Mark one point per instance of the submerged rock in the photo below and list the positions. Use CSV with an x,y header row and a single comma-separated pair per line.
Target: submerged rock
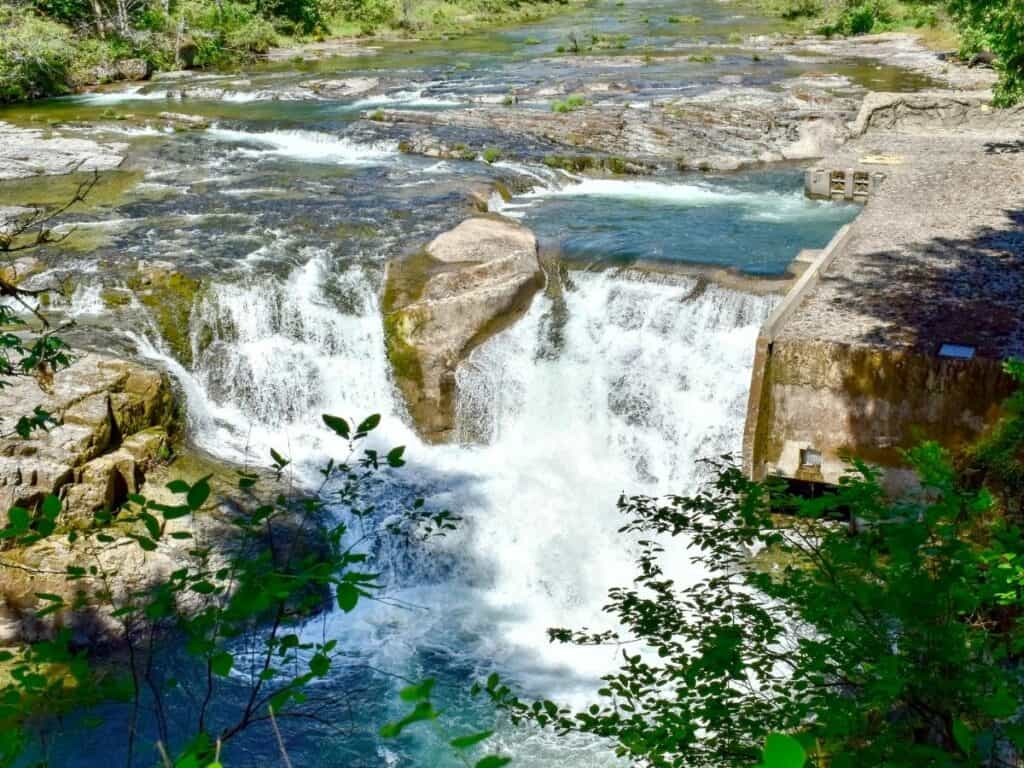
x,y
342,88
468,284
184,121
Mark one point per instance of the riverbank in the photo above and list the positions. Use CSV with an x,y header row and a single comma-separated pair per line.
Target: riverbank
x,y
71,51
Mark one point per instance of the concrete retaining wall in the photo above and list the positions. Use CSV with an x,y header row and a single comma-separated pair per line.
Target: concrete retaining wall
x,y
841,401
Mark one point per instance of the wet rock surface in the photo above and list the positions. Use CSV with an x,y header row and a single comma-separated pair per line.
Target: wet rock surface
x,y
725,129
28,152
468,284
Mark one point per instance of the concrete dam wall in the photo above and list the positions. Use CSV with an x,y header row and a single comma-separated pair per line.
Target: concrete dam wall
x,y
898,331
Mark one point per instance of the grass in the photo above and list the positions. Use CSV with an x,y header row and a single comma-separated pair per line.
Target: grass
x,y
569,104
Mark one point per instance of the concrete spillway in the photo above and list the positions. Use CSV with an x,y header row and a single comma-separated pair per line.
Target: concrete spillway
x,y
897,332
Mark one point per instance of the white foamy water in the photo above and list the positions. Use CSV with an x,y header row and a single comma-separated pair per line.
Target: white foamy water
x,y
307,146
757,205
639,381
105,98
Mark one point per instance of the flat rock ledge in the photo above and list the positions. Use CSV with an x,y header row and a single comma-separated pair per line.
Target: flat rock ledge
x,y
26,152
468,284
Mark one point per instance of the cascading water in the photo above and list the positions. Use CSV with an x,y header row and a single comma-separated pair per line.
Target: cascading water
x,y
619,384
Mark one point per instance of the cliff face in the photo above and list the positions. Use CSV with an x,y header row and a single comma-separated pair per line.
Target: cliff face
x,y
821,402
112,419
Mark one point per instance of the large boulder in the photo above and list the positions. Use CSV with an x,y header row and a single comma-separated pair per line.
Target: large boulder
x,y
468,284
112,416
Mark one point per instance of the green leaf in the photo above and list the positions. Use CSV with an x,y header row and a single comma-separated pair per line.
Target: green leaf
x,y
369,423
147,544
348,596
782,751
152,524
18,518
221,663
319,664
279,461
493,761
464,742
338,424
423,711
50,597
178,486
198,494
962,736
51,507
394,457
419,692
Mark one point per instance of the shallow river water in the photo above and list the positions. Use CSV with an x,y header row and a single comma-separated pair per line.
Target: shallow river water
x,y
289,208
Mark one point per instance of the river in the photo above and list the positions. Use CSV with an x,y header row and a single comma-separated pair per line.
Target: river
x,y
288,208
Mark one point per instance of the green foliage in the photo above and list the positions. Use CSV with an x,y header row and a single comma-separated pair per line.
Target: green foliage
x,y
36,56
419,695
997,27
859,17
70,12
569,104
369,14
800,9
492,155
898,643
238,611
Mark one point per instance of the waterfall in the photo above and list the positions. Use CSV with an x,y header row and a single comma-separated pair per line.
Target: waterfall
x,y
619,385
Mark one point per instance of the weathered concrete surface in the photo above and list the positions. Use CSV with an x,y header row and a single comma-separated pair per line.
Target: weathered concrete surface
x,y
27,152
937,257
468,284
113,417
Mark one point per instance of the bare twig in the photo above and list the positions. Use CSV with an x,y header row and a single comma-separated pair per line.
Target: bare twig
x,y
280,741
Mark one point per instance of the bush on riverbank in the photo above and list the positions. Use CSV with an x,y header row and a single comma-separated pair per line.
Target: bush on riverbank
x,y
997,27
36,56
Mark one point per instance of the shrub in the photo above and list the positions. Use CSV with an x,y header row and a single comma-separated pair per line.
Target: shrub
x,y
997,27
570,104
70,12
801,9
860,18
492,155
257,35
35,56
368,13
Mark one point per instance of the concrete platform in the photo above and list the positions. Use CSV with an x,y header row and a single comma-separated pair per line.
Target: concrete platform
x,y
856,366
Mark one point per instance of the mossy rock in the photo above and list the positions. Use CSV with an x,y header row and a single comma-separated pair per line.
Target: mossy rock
x,y
171,298
440,303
